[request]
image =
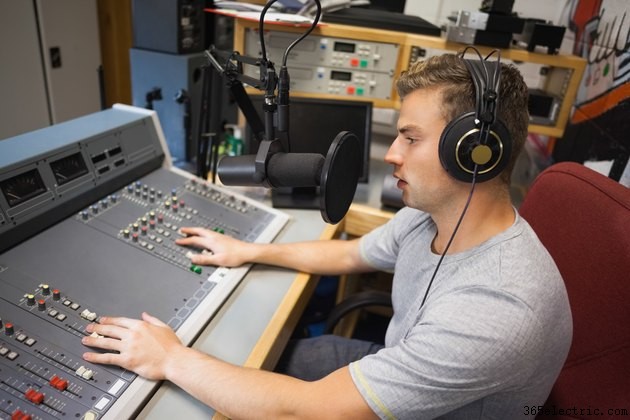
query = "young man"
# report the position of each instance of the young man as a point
(485, 340)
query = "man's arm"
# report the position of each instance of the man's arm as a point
(151, 349)
(322, 257)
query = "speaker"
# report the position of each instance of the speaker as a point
(476, 145)
(173, 26)
(171, 85)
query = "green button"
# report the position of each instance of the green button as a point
(195, 269)
(364, 63)
(360, 91)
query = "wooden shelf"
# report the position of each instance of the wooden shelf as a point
(563, 79)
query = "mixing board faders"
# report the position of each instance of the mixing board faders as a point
(102, 242)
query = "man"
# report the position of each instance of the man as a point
(484, 335)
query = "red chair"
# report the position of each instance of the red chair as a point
(583, 218)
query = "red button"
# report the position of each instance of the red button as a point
(350, 90)
(354, 62)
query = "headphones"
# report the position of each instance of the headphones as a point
(477, 141)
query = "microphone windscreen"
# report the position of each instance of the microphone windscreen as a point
(295, 169)
(238, 170)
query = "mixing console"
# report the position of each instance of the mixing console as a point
(104, 244)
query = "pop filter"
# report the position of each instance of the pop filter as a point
(339, 177)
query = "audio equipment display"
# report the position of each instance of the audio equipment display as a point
(79, 244)
(329, 65)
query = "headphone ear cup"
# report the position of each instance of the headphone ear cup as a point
(460, 149)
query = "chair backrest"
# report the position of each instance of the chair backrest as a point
(583, 218)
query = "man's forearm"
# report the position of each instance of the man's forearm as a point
(331, 257)
(249, 393)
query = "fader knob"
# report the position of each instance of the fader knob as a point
(30, 300)
(45, 290)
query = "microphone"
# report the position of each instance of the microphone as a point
(337, 174)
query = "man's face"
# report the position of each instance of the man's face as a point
(414, 153)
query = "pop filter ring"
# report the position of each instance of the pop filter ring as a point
(341, 170)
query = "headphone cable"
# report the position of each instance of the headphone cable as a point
(448, 244)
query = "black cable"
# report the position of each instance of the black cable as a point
(305, 34)
(448, 244)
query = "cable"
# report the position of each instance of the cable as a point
(448, 244)
(304, 35)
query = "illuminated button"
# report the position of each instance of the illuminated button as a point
(195, 269)
(60, 317)
(364, 63)
(350, 90)
(360, 91)
(354, 62)
(45, 290)
(75, 306)
(21, 337)
(12, 355)
(4, 351)
(30, 341)
(53, 313)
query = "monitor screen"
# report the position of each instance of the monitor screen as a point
(314, 124)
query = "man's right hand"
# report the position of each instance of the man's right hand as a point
(219, 249)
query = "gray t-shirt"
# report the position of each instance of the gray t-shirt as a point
(489, 341)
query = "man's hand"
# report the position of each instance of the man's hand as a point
(142, 346)
(222, 250)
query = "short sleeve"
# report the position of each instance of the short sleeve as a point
(380, 248)
(469, 345)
